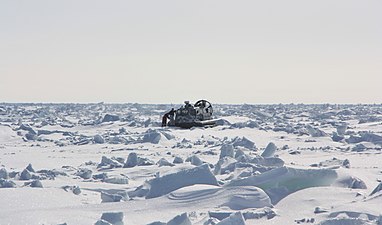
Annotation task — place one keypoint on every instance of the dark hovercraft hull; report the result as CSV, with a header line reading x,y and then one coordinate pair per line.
x,y
188,125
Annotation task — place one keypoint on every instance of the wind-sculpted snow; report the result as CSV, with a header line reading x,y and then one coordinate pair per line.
x,y
163,185
235,198
280,182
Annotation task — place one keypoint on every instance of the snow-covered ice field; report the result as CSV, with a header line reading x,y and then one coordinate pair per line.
x,y
101,163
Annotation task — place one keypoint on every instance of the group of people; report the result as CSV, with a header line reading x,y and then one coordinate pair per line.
x,y
171,115
188,111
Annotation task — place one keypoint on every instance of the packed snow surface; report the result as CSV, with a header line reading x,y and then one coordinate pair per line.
x,y
81,164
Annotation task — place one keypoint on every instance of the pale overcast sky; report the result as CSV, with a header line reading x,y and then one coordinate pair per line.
x,y
273,51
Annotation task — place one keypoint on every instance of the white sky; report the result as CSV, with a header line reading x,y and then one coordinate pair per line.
x,y
273,51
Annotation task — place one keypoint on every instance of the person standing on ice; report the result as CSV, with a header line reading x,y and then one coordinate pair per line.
x,y
170,115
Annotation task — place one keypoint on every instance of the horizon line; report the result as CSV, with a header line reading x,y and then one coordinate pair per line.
x,y
169,103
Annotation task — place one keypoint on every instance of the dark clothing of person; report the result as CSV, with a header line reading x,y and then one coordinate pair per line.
x,y
164,120
166,116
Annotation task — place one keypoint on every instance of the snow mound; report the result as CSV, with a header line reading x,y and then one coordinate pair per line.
x,y
282,181
251,197
163,185
350,182
235,198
